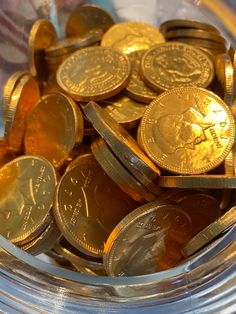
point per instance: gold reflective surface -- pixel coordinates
(147, 240)
(27, 187)
(54, 126)
(132, 36)
(94, 73)
(88, 205)
(190, 137)
(42, 36)
(173, 64)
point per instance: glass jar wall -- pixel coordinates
(205, 284)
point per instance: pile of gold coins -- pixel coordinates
(119, 156)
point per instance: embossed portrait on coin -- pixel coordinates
(177, 69)
(96, 72)
(181, 131)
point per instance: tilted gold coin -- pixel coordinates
(210, 232)
(178, 23)
(175, 64)
(123, 146)
(124, 110)
(86, 18)
(195, 33)
(202, 208)
(94, 73)
(132, 36)
(233, 58)
(42, 35)
(54, 126)
(187, 130)
(118, 173)
(8, 90)
(136, 88)
(23, 99)
(225, 72)
(45, 241)
(71, 44)
(147, 240)
(198, 182)
(88, 205)
(27, 187)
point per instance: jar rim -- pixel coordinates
(66, 274)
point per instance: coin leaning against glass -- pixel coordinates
(8, 90)
(147, 240)
(23, 99)
(175, 64)
(94, 73)
(27, 186)
(192, 136)
(210, 232)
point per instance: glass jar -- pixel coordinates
(205, 284)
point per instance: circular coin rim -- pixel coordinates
(111, 243)
(101, 95)
(37, 226)
(176, 169)
(161, 87)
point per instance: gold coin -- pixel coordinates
(45, 241)
(225, 72)
(202, 208)
(54, 126)
(175, 64)
(27, 187)
(147, 240)
(210, 232)
(198, 182)
(118, 173)
(86, 18)
(42, 35)
(8, 90)
(88, 205)
(191, 137)
(203, 43)
(84, 263)
(71, 44)
(123, 146)
(233, 59)
(136, 88)
(178, 23)
(195, 33)
(132, 36)
(23, 99)
(124, 110)
(229, 166)
(94, 73)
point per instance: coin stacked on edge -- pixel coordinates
(119, 154)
